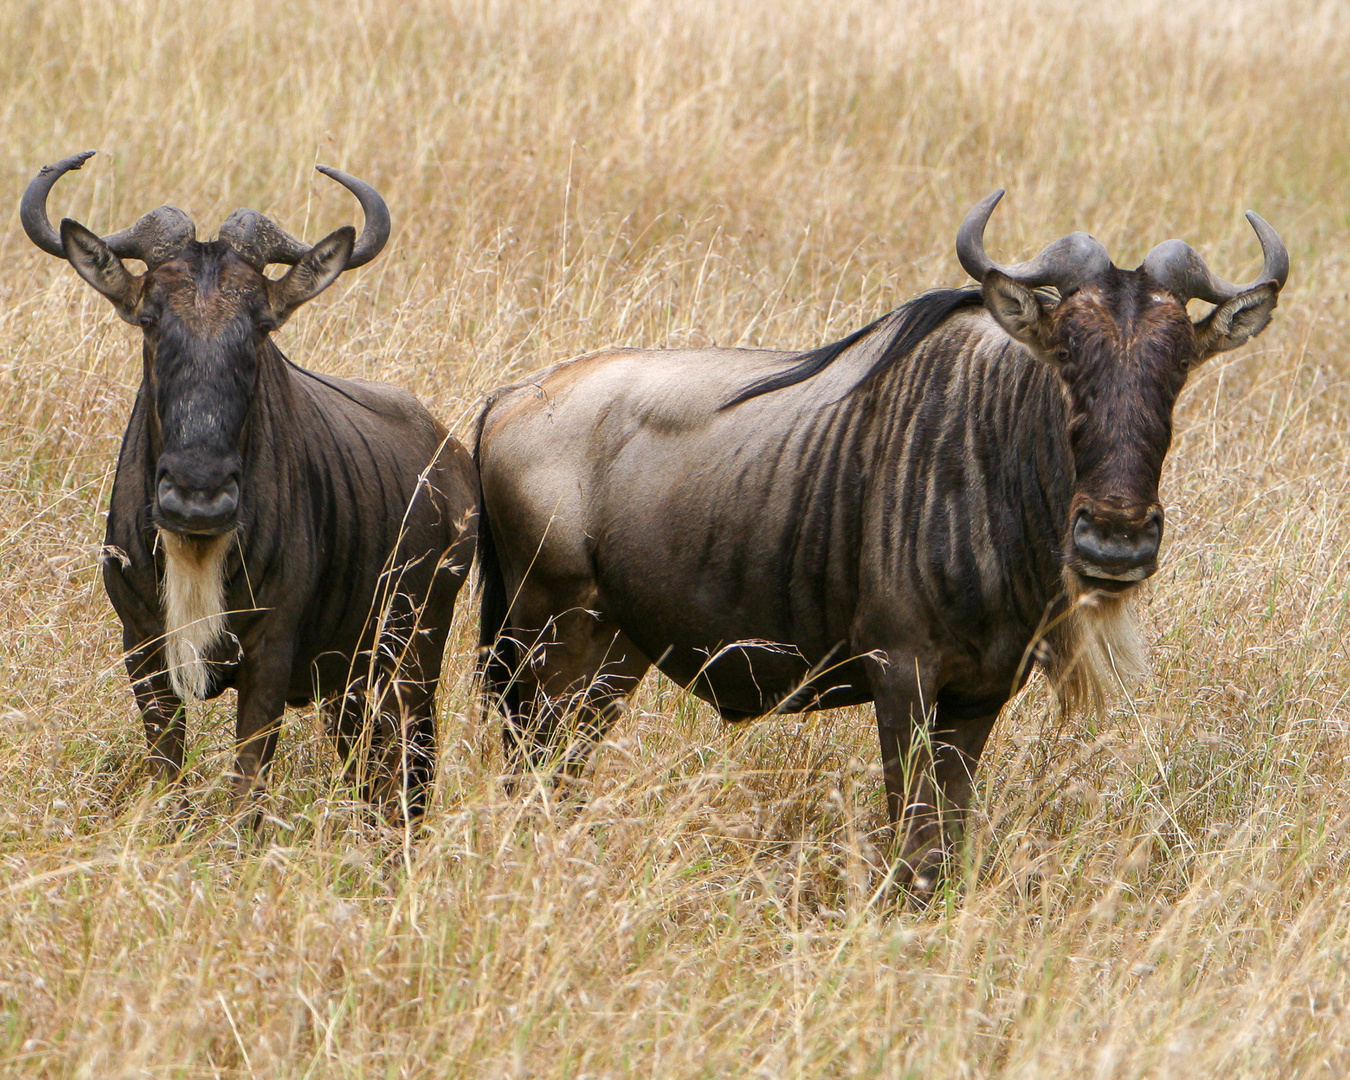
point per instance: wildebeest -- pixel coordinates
(295, 536)
(913, 515)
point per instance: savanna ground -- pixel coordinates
(1160, 892)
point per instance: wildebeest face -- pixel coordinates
(1123, 346)
(205, 315)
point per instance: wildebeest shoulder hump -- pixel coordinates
(391, 402)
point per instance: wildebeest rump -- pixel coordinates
(910, 516)
(295, 536)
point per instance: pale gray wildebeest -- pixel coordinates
(295, 536)
(910, 516)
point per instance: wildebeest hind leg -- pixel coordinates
(573, 686)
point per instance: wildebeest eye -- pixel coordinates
(267, 325)
(1062, 355)
(146, 320)
(1185, 363)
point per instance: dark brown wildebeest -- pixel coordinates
(292, 535)
(908, 516)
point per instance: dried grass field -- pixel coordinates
(1161, 892)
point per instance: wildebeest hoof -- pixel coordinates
(925, 886)
(178, 812)
(920, 877)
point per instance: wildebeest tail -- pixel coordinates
(497, 656)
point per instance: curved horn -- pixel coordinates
(33, 208)
(1066, 264)
(260, 240)
(375, 232)
(157, 236)
(1178, 267)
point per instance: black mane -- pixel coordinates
(916, 320)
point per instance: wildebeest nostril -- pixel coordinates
(1116, 547)
(194, 510)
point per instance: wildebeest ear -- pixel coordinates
(318, 268)
(1235, 321)
(95, 262)
(1018, 310)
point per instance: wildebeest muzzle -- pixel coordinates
(197, 495)
(1117, 545)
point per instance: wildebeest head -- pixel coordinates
(1123, 344)
(205, 310)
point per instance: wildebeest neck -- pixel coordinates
(977, 474)
(906, 328)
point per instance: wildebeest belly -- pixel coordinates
(745, 681)
(743, 674)
(730, 580)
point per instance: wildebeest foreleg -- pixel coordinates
(401, 760)
(905, 706)
(957, 745)
(387, 746)
(263, 681)
(911, 802)
(929, 770)
(161, 710)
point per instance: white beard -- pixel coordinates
(1095, 647)
(193, 598)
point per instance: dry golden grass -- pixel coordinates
(1162, 894)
